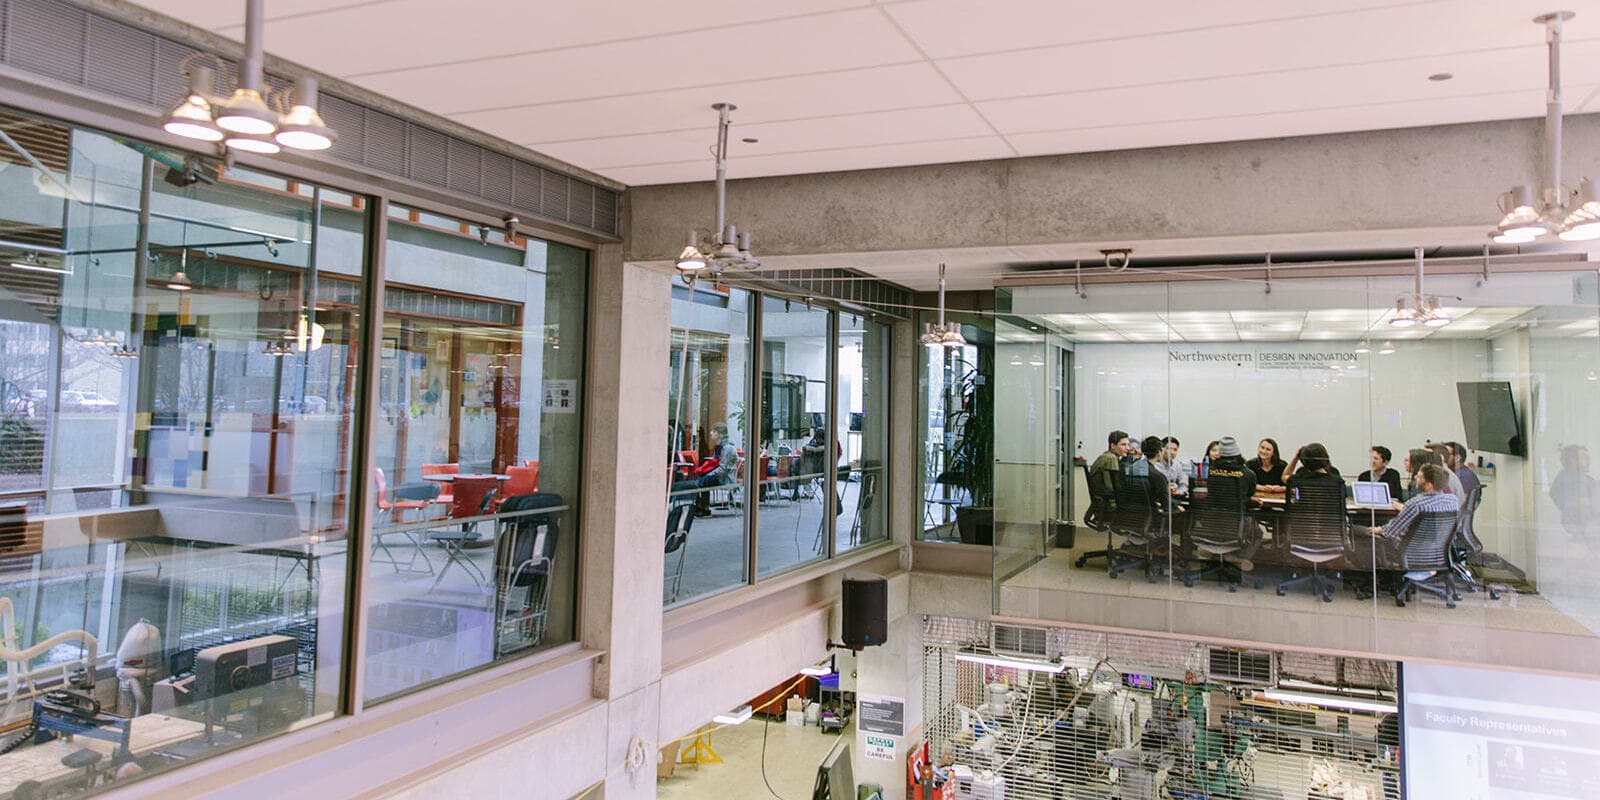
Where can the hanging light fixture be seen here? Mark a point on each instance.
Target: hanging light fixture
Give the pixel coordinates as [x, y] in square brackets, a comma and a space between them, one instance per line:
[179, 282]
[1418, 308]
[947, 334]
[1388, 347]
[246, 119]
[730, 248]
[1363, 347]
[1527, 217]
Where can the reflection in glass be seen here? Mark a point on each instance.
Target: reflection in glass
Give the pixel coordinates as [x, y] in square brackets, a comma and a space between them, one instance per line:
[175, 440]
[862, 424]
[797, 447]
[477, 440]
[706, 456]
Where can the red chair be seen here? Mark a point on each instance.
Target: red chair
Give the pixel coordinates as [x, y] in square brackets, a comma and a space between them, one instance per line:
[533, 464]
[524, 480]
[446, 493]
[392, 508]
[687, 459]
[389, 510]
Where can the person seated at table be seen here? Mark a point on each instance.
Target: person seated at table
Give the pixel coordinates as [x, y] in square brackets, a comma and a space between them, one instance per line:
[1314, 469]
[1228, 466]
[1457, 463]
[1102, 485]
[1142, 464]
[1174, 469]
[1268, 467]
[726, 471]
[1431, 496]
[1382, 472]
[1419, 457]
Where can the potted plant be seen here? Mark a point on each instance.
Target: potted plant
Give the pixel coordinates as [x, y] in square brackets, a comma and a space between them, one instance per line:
[970, 462]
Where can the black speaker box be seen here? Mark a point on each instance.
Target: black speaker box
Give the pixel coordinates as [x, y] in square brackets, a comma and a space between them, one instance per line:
[865, 602]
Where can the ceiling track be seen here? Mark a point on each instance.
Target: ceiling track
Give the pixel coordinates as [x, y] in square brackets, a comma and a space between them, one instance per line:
[1484, 266]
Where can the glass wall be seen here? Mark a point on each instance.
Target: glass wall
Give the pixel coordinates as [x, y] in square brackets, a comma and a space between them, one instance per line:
[861, 423]
[178, 361]
[477, 439]
[1271, 474]
[815, 451]
[956, 395]
[706, 416]
[181, 353]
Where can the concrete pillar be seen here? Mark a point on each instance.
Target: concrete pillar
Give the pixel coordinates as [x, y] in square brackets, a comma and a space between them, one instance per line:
[891, 670]
[625, 506]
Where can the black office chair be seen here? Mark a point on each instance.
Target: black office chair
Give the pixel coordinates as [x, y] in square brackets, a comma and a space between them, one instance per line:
[680, 519]
[525, 553]
[1426, 558]
[1136, 521]
[1219, 524]
[1095, 516]
[1318, 532]
[1465, 545]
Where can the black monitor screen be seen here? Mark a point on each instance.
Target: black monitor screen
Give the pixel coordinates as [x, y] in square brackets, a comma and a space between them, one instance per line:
[1490, 418]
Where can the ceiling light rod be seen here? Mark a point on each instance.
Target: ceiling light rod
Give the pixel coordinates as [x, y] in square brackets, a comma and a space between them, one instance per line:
[729, 248]
[947, 334]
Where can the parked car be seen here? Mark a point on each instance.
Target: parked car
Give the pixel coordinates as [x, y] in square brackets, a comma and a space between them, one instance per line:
[84, 400]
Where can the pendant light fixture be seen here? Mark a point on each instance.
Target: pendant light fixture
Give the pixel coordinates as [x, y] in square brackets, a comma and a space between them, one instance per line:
[1573, 216]
[947, 334]
[247, 120]
[729, 248]
[1418, 308]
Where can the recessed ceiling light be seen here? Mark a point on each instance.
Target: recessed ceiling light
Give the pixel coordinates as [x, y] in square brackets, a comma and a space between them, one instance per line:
[1440, 76]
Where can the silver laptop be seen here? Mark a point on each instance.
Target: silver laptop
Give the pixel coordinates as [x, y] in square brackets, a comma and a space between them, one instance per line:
[1370, 494]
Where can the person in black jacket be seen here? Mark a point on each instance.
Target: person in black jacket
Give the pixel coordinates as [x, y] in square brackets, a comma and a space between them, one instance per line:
[1381, 471]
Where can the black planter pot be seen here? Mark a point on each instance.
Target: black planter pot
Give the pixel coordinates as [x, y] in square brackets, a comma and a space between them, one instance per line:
[975, 525]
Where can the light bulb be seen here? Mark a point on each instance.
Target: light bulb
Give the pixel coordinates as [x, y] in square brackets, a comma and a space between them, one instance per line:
[246, 112]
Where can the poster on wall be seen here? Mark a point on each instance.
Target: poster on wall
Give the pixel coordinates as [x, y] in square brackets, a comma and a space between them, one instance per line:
[561, 396]
[881, 714]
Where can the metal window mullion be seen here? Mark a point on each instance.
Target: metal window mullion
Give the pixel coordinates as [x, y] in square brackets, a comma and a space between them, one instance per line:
[364, 453]
[830, 498]
[752, 428]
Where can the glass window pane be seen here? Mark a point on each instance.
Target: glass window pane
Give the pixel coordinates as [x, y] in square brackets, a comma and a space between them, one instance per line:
[706, 415]
[952, 388]
[177, 427]
[796, 444]
[862, 425]
[477, 452]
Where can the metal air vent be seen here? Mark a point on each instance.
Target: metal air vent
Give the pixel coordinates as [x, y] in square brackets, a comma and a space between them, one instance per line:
[1249, 667]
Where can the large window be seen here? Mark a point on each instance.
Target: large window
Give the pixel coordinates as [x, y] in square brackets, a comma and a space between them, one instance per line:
[477, 442]
[183, 354]
[808, 431]
[178, 362]
[1331, 398]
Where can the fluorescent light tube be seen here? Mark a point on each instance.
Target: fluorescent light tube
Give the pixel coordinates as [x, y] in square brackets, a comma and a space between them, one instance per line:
[1329, 701]
[733, 717]
[1053, 667]
[41, 268]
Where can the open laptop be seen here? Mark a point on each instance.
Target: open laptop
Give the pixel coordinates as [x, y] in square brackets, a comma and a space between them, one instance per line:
[1370, 494]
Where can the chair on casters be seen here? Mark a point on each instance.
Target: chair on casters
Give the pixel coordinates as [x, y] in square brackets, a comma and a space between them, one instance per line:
[525, 553]
[680, 519]
[1094, 517]
[1135, 520]
[1425, 557]
[1219, 525]
[1464, 545]
[1318, 532]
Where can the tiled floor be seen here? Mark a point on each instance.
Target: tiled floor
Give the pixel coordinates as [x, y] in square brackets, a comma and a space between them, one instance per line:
[793, 753]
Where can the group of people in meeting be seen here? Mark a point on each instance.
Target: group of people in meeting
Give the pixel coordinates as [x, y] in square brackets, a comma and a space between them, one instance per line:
[1436, 478]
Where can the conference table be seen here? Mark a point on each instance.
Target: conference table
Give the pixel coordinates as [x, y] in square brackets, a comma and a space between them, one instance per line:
[1277, 502]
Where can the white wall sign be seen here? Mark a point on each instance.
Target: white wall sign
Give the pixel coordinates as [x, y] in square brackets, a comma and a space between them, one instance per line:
[879, 748]
[881, 714]
[1264, 358]
[561, 396]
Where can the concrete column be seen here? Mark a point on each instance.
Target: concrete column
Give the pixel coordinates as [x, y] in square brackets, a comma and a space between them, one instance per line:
[625, 506]
[894, 670]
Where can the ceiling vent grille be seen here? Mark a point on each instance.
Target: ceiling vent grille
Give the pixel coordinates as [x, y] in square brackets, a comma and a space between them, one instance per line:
[1020, 640]
[59, 41]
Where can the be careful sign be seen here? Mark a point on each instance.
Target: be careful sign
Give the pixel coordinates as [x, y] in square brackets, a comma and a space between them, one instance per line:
[880, 748]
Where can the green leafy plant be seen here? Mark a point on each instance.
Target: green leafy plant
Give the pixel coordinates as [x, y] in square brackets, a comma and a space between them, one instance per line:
[969, 463]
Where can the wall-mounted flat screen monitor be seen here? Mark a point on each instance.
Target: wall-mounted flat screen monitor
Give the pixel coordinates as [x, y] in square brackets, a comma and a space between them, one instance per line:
[1490, 417]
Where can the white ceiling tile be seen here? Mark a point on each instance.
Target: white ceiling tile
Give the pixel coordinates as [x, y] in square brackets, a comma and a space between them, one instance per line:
[410, 33]
[801, 97]
[814, 44]
[1385, 38]
[975, 149]
[946, 28]
[856, 130]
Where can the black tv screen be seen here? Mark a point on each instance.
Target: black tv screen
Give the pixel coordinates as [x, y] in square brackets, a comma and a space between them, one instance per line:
[1490, 417]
